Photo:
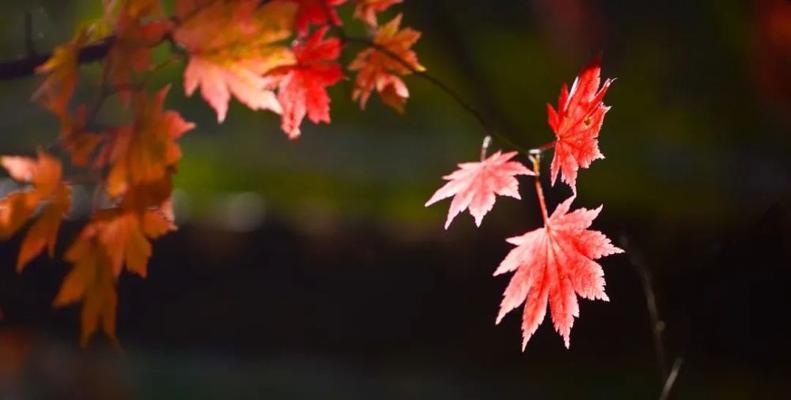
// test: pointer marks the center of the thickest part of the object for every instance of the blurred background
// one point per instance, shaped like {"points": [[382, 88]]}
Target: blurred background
{"points": [[311, 269]]}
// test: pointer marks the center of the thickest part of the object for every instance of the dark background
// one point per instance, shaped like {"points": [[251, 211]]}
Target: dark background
{"points": [[312, 269]]}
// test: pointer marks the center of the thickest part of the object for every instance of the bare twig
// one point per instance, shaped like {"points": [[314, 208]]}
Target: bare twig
{"points": [[671, 379], [657, 326]]}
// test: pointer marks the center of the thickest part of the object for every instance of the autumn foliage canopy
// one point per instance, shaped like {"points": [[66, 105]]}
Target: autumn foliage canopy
{"points": [[276, 56]]}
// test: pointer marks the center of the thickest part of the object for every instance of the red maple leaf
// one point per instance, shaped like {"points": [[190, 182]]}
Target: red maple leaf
{"points": [[577, 123], [303, 86], [553, 263], [319, 12], [475, 185]]}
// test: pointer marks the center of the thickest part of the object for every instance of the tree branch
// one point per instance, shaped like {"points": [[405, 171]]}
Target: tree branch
{"points": [[26, 66], [485, 125]]}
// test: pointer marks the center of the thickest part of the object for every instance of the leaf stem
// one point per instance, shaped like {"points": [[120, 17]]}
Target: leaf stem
{"points": [[487, 140], [535, 158], [544, 147]]}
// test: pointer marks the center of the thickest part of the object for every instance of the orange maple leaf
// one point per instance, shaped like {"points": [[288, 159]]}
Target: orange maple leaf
{"points": [[475, 184], [44, 232], [139, 26], [125, 235], [76, 139], [231, 45], [366, 10], [45, 176], [145, 150], [577, 123], [553, 263], [91, 280], [379, 67], [61, 71], [114, 238]]}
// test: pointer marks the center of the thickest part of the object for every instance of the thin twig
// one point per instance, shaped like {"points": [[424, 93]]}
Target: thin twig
{"points": [[656, 324], [671, 379], [487, 129]]}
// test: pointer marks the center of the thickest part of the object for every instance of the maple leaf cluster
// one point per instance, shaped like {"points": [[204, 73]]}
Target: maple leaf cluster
{"points": [[554, 264], [280, 56], [236, 49]]}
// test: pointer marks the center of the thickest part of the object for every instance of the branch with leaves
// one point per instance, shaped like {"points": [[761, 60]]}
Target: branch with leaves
{"points": [[279, 56]]}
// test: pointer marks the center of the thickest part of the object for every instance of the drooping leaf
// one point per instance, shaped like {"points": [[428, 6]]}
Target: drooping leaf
{"points": [[90, 280], [15, 210], [139, 25], [302, 88], [61, 71], [125, 235], [366, 10], [114, 238], [577, 123], [379, 68], [475, 184], [44, 232], [554, 264], [76, 139], [231, 45], [146, 149]]}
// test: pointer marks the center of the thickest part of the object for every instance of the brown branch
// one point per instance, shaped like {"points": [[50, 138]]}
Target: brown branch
{"points": [[26, 66]]}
